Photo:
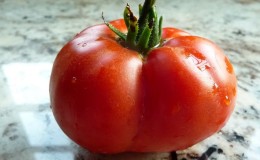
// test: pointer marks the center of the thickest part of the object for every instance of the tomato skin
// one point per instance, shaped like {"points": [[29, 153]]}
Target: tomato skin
{"points": [[85, 81], [109, 99], [183, 109]]}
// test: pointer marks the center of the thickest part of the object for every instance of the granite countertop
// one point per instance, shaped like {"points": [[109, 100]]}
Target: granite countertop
{"points": [[32, 33]]}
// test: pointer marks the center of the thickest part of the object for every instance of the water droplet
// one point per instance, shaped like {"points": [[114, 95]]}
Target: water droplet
{"points": [[234, 91], [215, 88], [201, 64], [227, 101], [194, 59], [229, 66], [82, 44], [73, 80], [100, 39]]}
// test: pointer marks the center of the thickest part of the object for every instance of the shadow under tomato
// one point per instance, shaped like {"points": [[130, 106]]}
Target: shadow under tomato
{"points": [[83, 154]]}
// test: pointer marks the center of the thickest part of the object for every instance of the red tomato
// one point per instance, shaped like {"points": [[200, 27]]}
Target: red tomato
{"points": [[109, 99]]}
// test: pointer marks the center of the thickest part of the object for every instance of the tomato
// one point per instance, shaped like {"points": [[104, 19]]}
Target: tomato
{"points": [[109, 99]]}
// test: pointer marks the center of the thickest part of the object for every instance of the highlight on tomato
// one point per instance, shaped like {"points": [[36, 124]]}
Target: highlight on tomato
{"points": [[131, 85]]}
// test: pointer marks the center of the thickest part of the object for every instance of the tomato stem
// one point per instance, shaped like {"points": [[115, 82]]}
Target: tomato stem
{"points": [[144, 33]]}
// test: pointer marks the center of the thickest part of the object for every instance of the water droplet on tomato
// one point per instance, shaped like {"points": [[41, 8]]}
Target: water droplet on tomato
{"points": [[229, 66], [100, 39], [215, 88], [200, 62], [82, 44], [73, 80], [227, 101], [203, 66], [234, 91], [194, 59]]}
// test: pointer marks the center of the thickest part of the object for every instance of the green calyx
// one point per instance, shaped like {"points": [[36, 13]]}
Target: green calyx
{"points": [[143, 33]]}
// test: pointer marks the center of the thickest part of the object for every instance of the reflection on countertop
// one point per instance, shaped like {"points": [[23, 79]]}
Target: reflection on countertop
{"points": [[32, 32]]}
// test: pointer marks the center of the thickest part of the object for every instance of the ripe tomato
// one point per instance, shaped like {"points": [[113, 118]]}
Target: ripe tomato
{"points": [[108, 98]]}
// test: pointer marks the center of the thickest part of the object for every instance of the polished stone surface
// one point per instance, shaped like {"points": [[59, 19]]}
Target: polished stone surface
{"points": [[32, 32]]}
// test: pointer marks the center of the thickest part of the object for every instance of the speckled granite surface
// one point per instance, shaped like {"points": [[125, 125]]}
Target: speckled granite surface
{"points": [[32, 32]]}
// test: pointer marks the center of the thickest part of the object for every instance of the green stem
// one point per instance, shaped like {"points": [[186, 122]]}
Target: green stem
{"points": [[115, 30], [131, 23], [144, 33], [143, 43]]}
